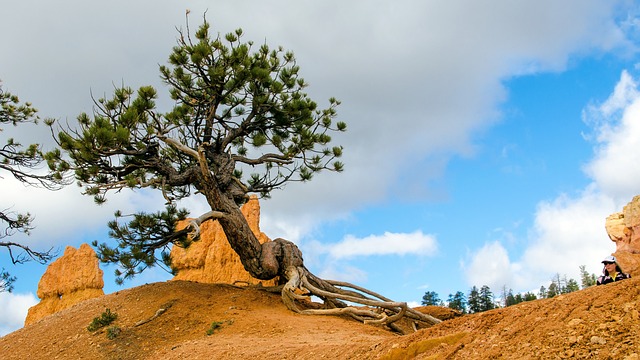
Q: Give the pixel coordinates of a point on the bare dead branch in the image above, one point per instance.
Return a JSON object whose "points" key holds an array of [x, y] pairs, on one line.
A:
{"points": [[179, 146]]}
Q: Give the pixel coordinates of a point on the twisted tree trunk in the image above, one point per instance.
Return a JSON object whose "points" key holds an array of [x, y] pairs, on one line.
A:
{"points": [[282, 258]]}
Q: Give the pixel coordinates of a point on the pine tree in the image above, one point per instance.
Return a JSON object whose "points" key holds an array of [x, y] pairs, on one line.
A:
{"points": [[586, 279], [528, 296], [572, 285], [241, 123], [518, 298], [431, 298], [473, 300], [542, 293], [458, 302], [486, 298], [510, 299]]}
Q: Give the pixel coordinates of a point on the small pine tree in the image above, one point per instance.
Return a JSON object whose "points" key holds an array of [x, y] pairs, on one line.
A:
{"points": [[486, 298], [106, 318], [572, 286], [542, 293], [473, 300], [431, 298], [510, 298], [458, 302], [586, 279], [553, 290], [518, 298]]}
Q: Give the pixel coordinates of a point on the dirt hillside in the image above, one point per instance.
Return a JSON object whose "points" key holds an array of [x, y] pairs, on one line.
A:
{"points": [[171, 320]]}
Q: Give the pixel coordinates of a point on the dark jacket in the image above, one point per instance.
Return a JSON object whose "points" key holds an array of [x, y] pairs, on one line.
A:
{"points": [[606, 278]]}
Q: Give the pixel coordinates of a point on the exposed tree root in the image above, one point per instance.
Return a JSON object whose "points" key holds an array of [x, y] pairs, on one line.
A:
{"points": [[336, 295]]}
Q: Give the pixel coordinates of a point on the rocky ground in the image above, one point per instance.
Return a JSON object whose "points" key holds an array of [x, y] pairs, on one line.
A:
{"points": [[173, 320]]}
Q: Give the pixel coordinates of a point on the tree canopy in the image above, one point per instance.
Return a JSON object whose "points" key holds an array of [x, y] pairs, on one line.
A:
{"points": [[240, 123], [25, 164], [431, 298], [458, 302], [237, 109]]}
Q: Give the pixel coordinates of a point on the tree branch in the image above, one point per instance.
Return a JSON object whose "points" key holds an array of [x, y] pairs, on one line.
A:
{"points": [[195, 223], [29, 254], [271, 157], [179, 146]]}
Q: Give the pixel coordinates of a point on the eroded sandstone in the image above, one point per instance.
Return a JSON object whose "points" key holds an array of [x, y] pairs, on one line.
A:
{"points": [[70, 279], [623, 228], [211, 259]]}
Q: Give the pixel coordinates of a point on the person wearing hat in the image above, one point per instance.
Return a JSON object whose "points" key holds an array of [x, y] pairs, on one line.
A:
{"points": [[611, 272]]}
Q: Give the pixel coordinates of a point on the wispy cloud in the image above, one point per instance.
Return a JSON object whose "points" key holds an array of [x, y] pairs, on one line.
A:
{"points": [[415, 243]]}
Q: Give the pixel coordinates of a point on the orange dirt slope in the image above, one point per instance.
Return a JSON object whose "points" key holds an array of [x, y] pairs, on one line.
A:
{"points": [[600, 322]]}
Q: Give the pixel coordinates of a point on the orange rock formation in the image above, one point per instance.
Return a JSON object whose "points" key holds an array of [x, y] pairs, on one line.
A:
{"points": [[211, 259], [76, 276], [70, 279], [623, 228]]}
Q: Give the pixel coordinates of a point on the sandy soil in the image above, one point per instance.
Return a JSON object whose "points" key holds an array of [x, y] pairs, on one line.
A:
{"points": [[599, 322]]}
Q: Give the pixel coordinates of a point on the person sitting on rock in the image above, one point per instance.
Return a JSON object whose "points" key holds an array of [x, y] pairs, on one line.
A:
{"points": [[611, 272]]}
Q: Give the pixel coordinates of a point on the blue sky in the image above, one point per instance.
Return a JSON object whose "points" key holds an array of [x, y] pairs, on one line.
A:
{"points": [[487, 141]]}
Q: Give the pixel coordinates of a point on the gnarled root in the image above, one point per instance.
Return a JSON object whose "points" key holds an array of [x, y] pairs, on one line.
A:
{"points": [[377, 309], [283, 258]]}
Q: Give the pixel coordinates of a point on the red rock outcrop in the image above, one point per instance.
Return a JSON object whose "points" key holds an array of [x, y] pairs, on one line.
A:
{"points": [[70, 279], [211, 259], [623, 228]]}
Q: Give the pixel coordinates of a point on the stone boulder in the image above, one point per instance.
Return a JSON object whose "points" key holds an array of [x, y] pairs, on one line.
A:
{"points": [[211, 259], [70, 279], [623, 228]]}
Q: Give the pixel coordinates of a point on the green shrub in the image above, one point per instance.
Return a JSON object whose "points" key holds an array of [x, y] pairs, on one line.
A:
{"points": [[103, 320], [113, 332], [214, 326]]}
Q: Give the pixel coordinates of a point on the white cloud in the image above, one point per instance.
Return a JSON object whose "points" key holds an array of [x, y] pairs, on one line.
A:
{"points": [[335, 261], [568, 232], [415, 243], [615, 165], [276, 227], [490, 266], [13, 310], [624, 94]]}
